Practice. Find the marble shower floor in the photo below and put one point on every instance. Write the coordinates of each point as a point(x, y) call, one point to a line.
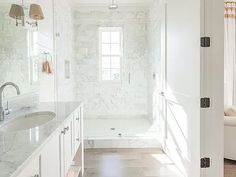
point(121, 127)
point(128, 163)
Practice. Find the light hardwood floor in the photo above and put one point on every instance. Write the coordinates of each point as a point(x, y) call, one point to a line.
point(230, 168)
point(128, 163)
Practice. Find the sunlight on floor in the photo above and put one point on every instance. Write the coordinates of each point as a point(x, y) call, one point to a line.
point(128, 163)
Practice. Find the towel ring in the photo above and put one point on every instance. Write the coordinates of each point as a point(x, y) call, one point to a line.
point(46, 56)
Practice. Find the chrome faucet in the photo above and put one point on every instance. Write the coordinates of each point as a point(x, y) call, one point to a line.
point(2, 110)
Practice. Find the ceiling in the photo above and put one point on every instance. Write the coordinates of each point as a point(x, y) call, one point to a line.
point(13, 1)
point(119, 2)
point(96, 2)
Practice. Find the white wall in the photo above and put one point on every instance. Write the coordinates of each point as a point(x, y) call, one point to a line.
point(116, 98)
point(45, 44)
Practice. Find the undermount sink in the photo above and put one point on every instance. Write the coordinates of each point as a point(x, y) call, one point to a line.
point(28, 121)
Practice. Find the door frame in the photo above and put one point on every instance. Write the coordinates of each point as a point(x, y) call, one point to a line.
point(212, 86)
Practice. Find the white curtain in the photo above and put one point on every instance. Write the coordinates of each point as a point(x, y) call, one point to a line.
point(230, 54)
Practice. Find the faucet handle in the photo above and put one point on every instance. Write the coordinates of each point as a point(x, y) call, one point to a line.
point(7, 111)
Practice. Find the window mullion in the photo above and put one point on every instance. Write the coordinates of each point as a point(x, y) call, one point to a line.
point(108, 69)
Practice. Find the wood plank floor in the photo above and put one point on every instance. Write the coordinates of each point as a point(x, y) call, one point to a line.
point(128, 163)
point(230, 168)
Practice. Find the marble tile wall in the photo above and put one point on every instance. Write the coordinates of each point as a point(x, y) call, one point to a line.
point(113, 99)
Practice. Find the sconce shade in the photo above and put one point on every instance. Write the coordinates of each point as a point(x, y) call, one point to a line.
point(36, 12)
point(16, 12)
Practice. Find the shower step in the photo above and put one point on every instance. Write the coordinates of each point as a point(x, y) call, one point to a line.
point(122, 143)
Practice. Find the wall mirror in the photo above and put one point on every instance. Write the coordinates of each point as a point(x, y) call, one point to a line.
point(23, 48)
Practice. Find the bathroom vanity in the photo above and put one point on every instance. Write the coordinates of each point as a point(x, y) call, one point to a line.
point(53, 149)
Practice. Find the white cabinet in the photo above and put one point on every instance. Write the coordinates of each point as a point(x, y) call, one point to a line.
point(71, 143)
point(81, 108)
point(63, 151)
point(50, 158)
point(31, 170)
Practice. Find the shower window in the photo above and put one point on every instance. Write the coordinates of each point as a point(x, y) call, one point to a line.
point(111, 51)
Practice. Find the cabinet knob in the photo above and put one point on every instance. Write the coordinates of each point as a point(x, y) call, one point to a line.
point(77, 118)
point(77, 139)
point(63, 132)
point(66, 129)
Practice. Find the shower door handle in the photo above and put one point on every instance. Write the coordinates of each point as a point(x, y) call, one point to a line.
point(129, 78)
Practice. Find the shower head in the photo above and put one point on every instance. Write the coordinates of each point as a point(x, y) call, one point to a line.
point(113, 6)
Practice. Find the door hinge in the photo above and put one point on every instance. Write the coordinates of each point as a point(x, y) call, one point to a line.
point(205, 42)
point(205, 102)
point(205, 162)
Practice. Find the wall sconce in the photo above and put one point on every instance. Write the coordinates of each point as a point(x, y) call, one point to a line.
point(35, 13)
point(17, 12)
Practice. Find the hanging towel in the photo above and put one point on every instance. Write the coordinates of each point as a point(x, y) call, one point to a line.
point(46, 68)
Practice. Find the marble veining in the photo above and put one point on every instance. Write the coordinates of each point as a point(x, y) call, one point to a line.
point(17, 147)
point(124, 98)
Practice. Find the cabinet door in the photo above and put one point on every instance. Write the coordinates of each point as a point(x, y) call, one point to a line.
point(32, 170)
point(68, 149)
point(50, 158)
point(82, 138)
point(62, 150)
point(76, 137)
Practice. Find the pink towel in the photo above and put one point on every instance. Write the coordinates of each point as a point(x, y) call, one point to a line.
point(46, 68)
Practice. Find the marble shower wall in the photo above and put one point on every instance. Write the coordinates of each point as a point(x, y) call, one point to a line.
point(112, 99)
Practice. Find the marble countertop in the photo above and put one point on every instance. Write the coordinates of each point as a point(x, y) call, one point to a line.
point(18, 147)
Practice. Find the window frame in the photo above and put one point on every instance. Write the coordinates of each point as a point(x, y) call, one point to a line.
point(110, 29)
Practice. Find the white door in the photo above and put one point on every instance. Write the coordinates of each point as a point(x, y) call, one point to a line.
point(193, 72)
point(183, 87)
